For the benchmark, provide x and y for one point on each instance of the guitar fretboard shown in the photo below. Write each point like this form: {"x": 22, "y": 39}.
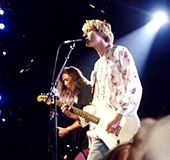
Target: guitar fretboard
{"x": 81, "y": 113}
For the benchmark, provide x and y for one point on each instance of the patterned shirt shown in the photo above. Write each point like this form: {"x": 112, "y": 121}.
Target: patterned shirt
{"x": 116, "y": 82}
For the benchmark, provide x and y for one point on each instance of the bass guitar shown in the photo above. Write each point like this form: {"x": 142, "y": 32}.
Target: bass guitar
{"x": 124, "y": 133}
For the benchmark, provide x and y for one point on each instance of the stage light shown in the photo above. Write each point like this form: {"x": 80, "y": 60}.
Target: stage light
{"x": 3, "y": 119}
{"x": 4, "y": 53}
{"x": 1, "y": 11}
{"x": 160, "y": 18}
{"x": 2, "y": 26}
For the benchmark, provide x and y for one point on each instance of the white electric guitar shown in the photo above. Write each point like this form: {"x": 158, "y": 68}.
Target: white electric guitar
{"x": 124, "y": 133}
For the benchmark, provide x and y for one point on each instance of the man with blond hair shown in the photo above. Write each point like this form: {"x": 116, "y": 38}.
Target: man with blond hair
{"x": 117, "y": 89}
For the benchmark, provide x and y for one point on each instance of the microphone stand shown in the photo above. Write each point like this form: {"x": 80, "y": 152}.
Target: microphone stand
{"x": 54, "y": 93}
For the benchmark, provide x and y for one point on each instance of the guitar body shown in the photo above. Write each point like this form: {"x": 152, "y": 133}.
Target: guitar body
{"x": 126, "y": 130}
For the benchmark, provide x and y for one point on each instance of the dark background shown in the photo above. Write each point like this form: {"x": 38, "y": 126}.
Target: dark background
{"x": 34, "y": 31}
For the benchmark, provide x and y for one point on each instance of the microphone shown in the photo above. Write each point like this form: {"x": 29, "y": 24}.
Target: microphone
{"x": 74, "y": 41}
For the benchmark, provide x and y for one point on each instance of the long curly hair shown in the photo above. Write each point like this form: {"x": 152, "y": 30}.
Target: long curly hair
{"x": 78, "y": 79}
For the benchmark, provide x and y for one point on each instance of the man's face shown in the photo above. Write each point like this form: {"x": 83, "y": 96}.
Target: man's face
{"x": 67, "y": 80}
{"x": 92, "y": 37}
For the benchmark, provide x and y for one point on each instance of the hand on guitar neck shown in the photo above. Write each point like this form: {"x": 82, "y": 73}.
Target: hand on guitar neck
{"x": 66, "y": 109}
{"x": 63, "y": 106}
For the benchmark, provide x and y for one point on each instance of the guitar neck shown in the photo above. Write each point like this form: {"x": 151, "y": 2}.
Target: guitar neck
{"x": 81, "y": 113}
{"x": 85, "y": 115}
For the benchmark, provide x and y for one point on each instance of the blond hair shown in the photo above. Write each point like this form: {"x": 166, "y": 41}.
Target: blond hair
{"x": 101, "y": 27}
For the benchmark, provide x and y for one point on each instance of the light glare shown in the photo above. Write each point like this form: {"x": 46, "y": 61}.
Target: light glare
{"x": 1, "y": 11}
{"x": 160, "y": 18}
{"x": 2, "y": 26}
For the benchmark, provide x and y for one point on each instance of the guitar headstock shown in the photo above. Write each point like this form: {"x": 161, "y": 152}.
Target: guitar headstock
{"x": 47, "y": 99}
